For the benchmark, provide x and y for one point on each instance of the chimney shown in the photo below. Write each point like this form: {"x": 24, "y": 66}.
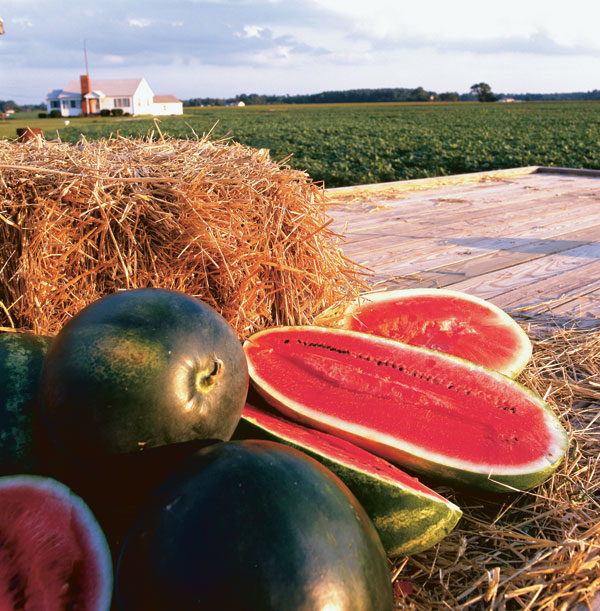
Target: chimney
{"x": 84, "y": 81}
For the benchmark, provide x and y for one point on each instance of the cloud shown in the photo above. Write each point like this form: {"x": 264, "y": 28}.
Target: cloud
{"x": 139, "y": 23}
{"x": 251, "y": 31}
{"x": 146, "y": 32}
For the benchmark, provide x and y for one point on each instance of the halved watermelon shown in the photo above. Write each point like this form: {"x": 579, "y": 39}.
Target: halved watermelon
{"x": 53, "y": 552}
{"x": 424, "y": 410}
{"x": 449, "y": 321}
{"x": 409, "y": 516}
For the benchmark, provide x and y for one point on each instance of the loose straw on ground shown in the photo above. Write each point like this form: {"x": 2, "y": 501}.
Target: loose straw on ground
{"x": 538, "y": 549}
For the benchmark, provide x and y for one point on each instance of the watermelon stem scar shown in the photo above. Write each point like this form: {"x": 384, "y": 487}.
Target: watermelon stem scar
{"x": 207, "y": 378}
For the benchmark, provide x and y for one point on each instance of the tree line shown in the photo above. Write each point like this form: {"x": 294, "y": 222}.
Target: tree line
{"x": 479, "y": 92}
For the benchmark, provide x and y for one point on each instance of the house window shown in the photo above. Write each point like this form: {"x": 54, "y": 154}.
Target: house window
{"x": 122, "y": 102}
{"x": 54, "y": 104}
{"x": 74, "y": 103}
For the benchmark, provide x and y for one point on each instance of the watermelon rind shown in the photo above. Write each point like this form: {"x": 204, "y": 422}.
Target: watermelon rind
{"x": 408, "y": 517}
{"x": 21, "y": 359}
{"x": 497, "y": 477}
{"x": 84, "y": 516}
{"x": 510, "y": 367}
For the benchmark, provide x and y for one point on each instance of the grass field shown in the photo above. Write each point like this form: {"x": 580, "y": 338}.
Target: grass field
{"x": 366, "y": 143}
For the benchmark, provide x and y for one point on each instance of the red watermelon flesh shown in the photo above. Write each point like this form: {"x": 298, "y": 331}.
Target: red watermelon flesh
{"x": 437, "y": 414}
{"x": 445, "y": 320}
{"x": 53, "y": 554}
{"x": 336, "y": 448}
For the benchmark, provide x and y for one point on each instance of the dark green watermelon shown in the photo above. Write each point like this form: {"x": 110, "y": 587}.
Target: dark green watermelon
{"x": 21, "y": 358}
{"x": 253, "y": 525}
{"x": 139, "y": 369}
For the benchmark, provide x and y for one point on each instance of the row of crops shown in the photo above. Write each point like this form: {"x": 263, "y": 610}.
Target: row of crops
{"x": 363, "y": 143}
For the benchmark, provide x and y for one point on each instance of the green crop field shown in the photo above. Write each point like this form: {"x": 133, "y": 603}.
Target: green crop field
{"x": 348, "y": 144}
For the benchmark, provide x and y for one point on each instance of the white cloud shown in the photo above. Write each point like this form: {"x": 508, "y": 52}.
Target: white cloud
{"x": 251, "y": 31}
{"x": 112, "y": 60}
{"x": 24, "y": 21}
{"x": 139, "y": 23}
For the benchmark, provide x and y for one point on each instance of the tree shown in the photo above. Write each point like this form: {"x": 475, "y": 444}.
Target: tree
{"x": 483, "y": 92}
{"x": 449, "y": 96}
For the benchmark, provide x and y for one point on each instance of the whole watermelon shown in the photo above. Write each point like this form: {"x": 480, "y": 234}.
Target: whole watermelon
{"x": 253, "y": 525}
{"x": 139, "y": 369}
{"x": 21, "y": 358}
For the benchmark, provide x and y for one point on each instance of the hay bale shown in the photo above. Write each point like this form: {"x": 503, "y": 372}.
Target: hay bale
{"x": 217, "y": 220}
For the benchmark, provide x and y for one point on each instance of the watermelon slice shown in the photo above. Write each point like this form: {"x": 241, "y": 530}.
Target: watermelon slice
{"x": 409, "y": 516}
{"x": 433, "y": 413}
{"x": 449, "y": 321}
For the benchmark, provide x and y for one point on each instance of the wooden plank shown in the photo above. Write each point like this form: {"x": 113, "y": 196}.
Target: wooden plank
{"x": 419, "y": 184}
{"x": 400, "y": 244}
{"x": 435, "y": 212}
{"x": 435, "y": 182}
{"x": 554, "y": 291}
{"x": 509, "y": 253}
{"x": 531, "y": 212}
{"x": 527, "y": 275}
{"x": 430, "y": 253}
{"x": 584, "y": 308}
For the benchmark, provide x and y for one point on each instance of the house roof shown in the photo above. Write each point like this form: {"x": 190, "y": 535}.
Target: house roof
{"x": 110, "y": 88}
{"x": 164, "y": 99}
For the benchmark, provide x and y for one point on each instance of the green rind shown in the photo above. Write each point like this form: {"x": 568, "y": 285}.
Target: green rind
{"x": 407, "y": 521}
{"x": 511, "y": 369}
{"x": 436, "y": 466}
{"x": 21, "y": 359}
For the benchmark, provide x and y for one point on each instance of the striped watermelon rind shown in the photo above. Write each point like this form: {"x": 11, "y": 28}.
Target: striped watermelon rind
{"x": 408, "y": 516}
{"x": 496, "y": 476}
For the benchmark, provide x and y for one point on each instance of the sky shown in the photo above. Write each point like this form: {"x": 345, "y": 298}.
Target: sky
{"x": 221, "y": 48}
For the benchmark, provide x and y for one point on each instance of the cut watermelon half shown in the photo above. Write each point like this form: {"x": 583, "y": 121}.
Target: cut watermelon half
{"x": 429, "y": 412}
{"x": 409, "y": 516}
{"x": 53, "y": 553}
{"x": 448, "y": 321}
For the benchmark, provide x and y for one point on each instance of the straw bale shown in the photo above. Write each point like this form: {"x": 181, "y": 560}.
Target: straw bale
{"x": 528, "y": 550}
{"x": 213, "y": 219}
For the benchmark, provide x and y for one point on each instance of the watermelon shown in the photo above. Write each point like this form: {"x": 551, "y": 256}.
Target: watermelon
{"x": 139, "y": 369}
{"x": 445, "y": 320}
{"x": 245, "y": 525}
{"x": 53, "y": 553}
{"x": 21, "y": 358}
{"x": 409, "y": 516}
{"x": 429, "y": 412}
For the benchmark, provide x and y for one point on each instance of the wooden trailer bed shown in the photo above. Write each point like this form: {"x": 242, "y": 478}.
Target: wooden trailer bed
{"x": 526, "y": 239}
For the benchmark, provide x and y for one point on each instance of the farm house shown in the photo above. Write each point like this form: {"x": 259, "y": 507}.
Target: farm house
{"x": 132, "y": 96}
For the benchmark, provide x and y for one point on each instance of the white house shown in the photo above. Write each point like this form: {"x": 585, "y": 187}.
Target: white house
{"x": 133, "y": 96}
